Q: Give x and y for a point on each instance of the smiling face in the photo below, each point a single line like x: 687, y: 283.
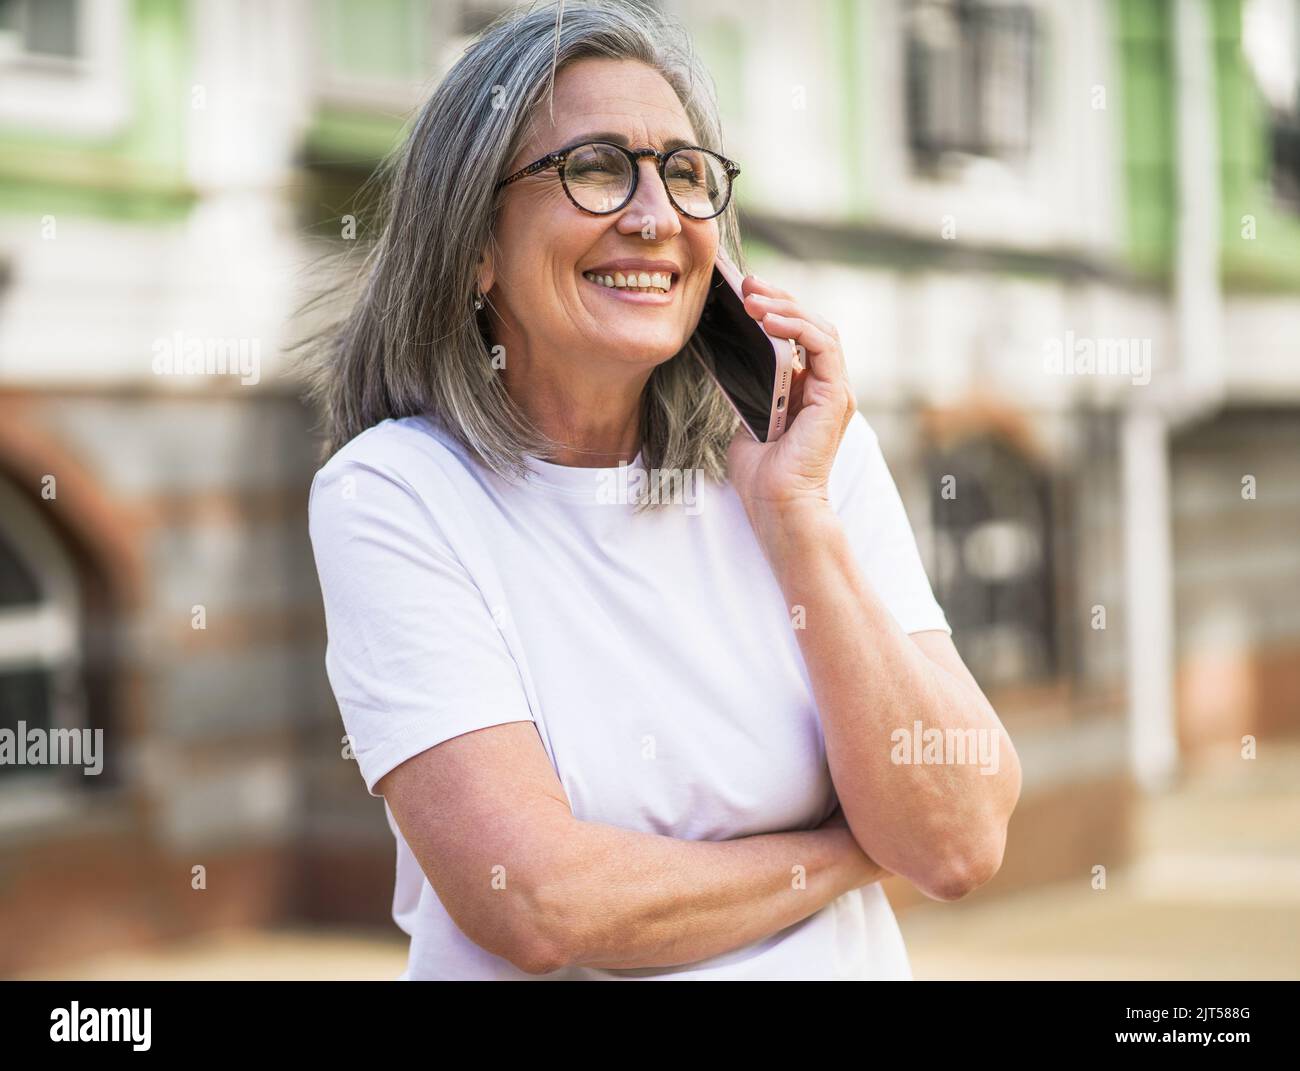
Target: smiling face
x: 547, y: 276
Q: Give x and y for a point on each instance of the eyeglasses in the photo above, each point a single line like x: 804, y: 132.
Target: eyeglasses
x: 600, y: 177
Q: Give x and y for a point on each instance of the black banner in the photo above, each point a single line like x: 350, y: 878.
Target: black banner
x: 1225, y: 1020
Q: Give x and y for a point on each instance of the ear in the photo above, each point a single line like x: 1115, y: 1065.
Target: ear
x: 486, y: 273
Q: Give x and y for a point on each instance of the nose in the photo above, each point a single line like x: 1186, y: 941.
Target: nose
x: 650, y: 213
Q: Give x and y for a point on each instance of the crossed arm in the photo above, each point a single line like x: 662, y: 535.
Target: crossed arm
x: 488, y: 805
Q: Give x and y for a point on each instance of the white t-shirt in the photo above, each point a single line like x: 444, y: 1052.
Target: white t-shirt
x: 654, y: 652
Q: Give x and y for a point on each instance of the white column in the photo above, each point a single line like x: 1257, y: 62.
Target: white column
x: 1149, y: 596
x: 1194, y: 391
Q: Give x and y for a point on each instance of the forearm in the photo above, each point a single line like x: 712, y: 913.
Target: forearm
x: 927, y: 821
x: 621, y: 898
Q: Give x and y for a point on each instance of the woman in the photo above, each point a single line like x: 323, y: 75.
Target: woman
x: 621, y: 740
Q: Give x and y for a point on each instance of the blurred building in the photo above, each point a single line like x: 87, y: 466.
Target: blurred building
x: 1062, y: 245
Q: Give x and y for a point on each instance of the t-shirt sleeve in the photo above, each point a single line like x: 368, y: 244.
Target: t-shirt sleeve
x: 413, y: 654
x: 866, y: 498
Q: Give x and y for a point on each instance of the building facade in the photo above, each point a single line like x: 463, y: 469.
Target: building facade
x: 1061, y: 242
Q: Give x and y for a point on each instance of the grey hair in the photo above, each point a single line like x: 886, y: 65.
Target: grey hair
x: 412, y: 343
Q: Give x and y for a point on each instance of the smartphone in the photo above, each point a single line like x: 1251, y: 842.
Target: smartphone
x: 753, y: 369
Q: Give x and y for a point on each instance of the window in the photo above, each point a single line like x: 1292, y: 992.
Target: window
x: 1285, y: 139
x: 1271, y: 43
x: 992, y: 524
x: 40, y: 618
x: 63, y: 66
x: 385, y: 54
x: 40, y: 31
x: 970, y: 80
x: 376, y: 53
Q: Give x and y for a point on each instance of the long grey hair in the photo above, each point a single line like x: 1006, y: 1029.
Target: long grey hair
x: 412, y: 342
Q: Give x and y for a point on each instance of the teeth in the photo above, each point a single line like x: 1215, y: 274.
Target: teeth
x: 662, y: 281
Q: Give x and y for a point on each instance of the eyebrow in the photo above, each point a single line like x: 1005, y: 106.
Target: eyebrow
x: 621, y: 139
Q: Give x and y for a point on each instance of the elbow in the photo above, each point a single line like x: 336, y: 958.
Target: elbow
x: 536, y: 955
x: 525, y: 947
x: 959, y: 874
x: 956, y: 882
x: 545, y: 935
x: 544, y: 923
x: 519, y: 927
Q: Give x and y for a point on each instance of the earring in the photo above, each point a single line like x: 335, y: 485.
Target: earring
x: 478, y: 300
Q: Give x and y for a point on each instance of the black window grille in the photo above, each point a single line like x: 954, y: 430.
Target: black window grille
x: 41, y: 661
x: 970, y: 69
x: 993, y: 561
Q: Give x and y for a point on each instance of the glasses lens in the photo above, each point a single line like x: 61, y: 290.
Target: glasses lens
x: 598, y: 177
x: 697, y: 182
